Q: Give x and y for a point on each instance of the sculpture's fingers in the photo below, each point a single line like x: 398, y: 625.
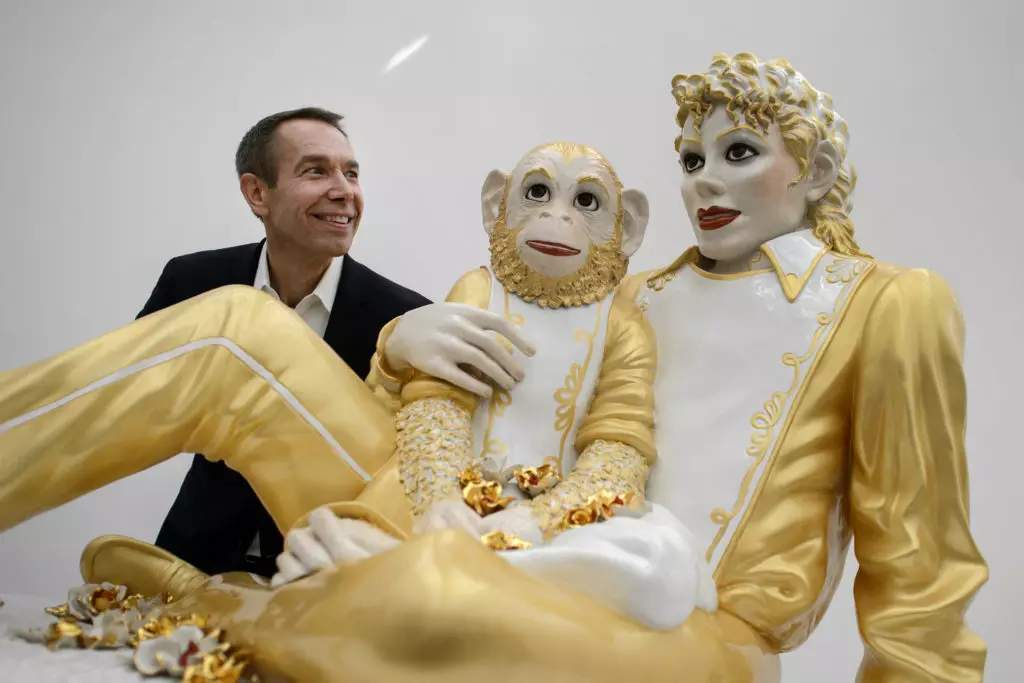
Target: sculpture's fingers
x: 500, y: 324
x: 307, y: 549
x: 289, y: 568
x: 491, y: 345
x: 453, y: 374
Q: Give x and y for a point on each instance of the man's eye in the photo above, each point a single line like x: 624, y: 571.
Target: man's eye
x: 740, y: 151
x: 315, y: 170
x: 587, y: 201
x: 538, y: 193
x: 692, y: 162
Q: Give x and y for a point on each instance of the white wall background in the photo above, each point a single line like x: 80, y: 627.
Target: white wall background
x: 120, y: 120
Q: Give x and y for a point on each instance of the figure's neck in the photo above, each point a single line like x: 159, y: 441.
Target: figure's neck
x: 294, y: 273
x: 744, y: 264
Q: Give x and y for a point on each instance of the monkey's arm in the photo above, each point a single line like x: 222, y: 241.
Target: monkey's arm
x: 616, y: 439
x: 434, y: 419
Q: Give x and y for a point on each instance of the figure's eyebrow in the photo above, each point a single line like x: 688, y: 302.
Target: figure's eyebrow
x: 540, y: 170
x: 741, y: 127
x: 692, y: 141
x: 592, y: 179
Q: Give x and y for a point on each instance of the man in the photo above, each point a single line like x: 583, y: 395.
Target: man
x: 300, y: 177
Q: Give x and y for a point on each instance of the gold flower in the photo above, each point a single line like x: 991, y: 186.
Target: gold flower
x: 499, y: 540
x: 89, y: 601
x: 598, y: 508
x: 534, y: 481
x: 482, y: 495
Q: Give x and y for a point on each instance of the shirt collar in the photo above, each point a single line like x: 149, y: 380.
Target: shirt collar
x: 325, y: 290
x: 792, y: 257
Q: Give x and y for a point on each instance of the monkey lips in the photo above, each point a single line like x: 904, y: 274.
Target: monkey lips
x: 552, y: 248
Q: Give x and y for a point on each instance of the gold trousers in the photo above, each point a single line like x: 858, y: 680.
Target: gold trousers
x: 239, y: 377
x: 232, y: 374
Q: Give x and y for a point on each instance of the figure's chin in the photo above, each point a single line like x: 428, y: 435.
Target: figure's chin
x: 552, y: 266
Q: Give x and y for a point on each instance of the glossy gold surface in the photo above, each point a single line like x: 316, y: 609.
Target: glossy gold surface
x: 874, y: 450
x: 232, y: 374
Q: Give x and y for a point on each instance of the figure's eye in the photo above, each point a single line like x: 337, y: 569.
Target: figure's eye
x: 740, y: 151
x: 692, y: 162
x: 587, y: 201
x: 538, y: 193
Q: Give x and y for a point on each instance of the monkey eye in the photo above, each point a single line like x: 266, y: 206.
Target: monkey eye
x: 538, y: 193
x: 587, y: 201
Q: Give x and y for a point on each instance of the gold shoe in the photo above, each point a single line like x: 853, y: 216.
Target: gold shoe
x: 142, y: 567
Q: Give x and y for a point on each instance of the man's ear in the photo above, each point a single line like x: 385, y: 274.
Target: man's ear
x: 823, y: 170
x: 490, y: 198
x: 635, y: 212
x: 255, y: 192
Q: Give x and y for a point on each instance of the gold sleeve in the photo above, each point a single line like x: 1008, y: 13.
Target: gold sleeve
x: 623, y: 406
x: 603, y: 468
x: 919, y: 566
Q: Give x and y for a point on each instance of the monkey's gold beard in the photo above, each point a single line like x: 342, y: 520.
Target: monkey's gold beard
x: 596, y: 278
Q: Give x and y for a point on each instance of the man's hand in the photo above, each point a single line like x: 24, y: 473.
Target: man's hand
x: 450, y: 514
x: 438, y: 338
x: 328, y: 541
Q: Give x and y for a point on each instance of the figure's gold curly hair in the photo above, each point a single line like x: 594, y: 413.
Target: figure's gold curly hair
x: 763, y: 93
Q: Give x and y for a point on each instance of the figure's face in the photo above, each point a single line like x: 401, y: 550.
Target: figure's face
x: 561, y: 207
x: 736, y: 186
x: 317, y: 202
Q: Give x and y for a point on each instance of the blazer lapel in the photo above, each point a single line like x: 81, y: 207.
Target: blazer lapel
x: 346, y: 315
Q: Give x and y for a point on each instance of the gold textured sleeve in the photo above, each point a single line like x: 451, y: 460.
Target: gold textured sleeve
x: 434, y: 445
x: 383, y: 381
x: 623, y: 405
x: 611, y: 468
x: 919, y: 566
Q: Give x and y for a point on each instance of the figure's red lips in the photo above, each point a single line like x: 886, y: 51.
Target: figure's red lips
x: 715, y: 217
x: 552, y: 248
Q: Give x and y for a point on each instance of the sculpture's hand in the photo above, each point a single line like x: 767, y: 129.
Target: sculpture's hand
x: 515, y: 520
x: 328, y: 541
x: 450, y: 514
x: 439, y: 338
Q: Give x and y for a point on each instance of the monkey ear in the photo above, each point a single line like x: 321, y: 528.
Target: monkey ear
x: 635, y: 212
x: 490, y: 198
x: 823, y: 171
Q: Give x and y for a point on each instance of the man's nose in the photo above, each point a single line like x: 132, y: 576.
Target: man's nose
x: 340, y: 189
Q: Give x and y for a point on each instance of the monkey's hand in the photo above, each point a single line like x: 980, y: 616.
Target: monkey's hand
x: 328, y: 541
x: 439, y: 338
x: 451, y: 513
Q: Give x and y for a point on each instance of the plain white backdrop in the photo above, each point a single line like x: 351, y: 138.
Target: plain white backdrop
x: 120, y: 119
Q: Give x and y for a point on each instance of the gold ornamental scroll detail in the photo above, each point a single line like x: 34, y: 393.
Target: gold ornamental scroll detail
x: 500, y: 398
x: 766, y: 421
x: 565, y: 398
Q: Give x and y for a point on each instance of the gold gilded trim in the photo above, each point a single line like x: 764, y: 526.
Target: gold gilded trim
x: 501, y: 398
x: 765, y: 422
x: 727, y: 276
x: 792, y: 283
x: 660, y: 278
x: 565, y: 398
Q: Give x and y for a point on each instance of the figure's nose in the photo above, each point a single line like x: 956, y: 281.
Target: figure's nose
x: 566, y: 218
x: 709, y: 185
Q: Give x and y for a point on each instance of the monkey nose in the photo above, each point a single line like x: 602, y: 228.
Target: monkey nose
x: 567, y: 218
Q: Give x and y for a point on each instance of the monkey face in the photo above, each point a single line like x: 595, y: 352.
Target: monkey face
x: 560, y: 209
x: 561, y: 227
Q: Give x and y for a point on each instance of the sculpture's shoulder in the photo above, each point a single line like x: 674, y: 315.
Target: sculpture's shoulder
x: 914, y: 290
x: 473, y: 288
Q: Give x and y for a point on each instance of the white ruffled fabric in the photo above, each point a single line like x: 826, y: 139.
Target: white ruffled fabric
x: 649, y: 568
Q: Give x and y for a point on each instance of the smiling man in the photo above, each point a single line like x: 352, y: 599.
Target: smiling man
x: 300, y: 177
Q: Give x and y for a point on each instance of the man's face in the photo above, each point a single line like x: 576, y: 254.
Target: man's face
x: 317, y: 202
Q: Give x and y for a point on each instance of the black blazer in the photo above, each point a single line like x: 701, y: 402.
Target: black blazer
x: 216, y: 515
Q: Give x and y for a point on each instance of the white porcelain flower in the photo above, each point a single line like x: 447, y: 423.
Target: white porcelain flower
x: 184, y: 647
x: 90, y: 600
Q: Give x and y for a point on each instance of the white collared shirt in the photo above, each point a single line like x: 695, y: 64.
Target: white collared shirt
x: 315, y: 309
